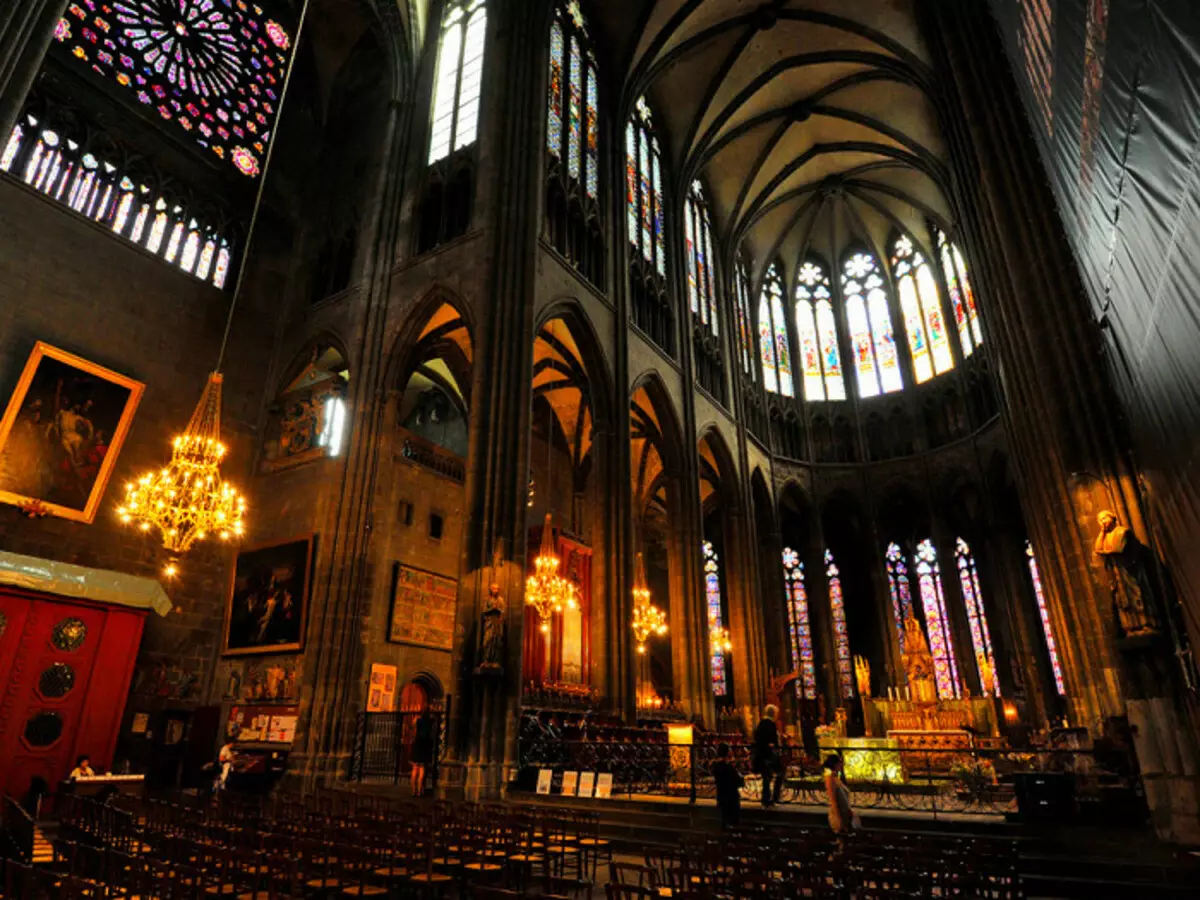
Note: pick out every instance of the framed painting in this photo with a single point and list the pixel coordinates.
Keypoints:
(268, 599)
(62, 433)
(424, 605)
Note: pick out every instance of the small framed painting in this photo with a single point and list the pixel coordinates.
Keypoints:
(268, 600)
(62, 432)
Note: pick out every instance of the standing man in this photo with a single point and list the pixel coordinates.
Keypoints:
(767, 760)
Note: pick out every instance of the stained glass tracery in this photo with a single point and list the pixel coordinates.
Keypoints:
(572, 107)
(937, 623)
(213, 68)
(841, 635)
(699, 245)
(981, 637)
(816, 330)
(774, 346)
(899, 588)
(745, 335)
(59, 167)
(962, 297)
(799, 627)
(1044, 614)
(459, 78)
(921, 306)
(716, 617)
(643, 197)
(870, 325)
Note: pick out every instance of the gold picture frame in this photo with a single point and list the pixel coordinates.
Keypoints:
(62, 432)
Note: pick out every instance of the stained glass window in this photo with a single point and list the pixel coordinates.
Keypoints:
(95, 188)
(841, 635)
(572, 126)
(937, 623)
(921, 305)
(745, 332)
(870, 326)
(817, 332)
(459, 78)
(773, 338)
(716, 617)
(1044, 613)
(213, 68)
(799, 628)
(644, 187)
(962, 297)
(899, 588)
(702, 292)
(981, 638)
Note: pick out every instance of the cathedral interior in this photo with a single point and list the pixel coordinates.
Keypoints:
(568, 373)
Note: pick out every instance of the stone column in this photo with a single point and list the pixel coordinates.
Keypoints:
(497, 492)
(26, 32)
(332, 692)
(1060, 410)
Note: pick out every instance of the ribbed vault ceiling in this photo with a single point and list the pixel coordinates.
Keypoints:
(809, 121)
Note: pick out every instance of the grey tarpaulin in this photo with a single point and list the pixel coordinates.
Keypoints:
(83, 583)
(1112, 92)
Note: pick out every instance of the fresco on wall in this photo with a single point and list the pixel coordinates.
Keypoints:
(269, 599)
(62, 433)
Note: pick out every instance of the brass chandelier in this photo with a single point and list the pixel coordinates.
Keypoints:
(546, 590)
(187, 500)
(648, 620)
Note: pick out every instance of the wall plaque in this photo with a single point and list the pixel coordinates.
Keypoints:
(423, 608)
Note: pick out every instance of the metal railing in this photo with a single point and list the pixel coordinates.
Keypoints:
(18, 829)
(383, 744)
(934, 780)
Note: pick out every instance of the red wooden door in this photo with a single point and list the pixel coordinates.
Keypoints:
(65, 669)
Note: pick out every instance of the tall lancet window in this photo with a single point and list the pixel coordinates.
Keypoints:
(716, 618)
(1044, 613)
(870, 325)
(572, 127)
(900, 589)
(921, 306)
(644, 199)
(741, 286)
(841, 635)
(816, 330)
(573, 219)
(981, 637)
(459, 78)
(962, 297)
(652, 310)
(937, 623)
(702, 292)
(773, 344)
(799, 628)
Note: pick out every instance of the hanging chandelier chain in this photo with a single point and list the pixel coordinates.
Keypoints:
(262, 184)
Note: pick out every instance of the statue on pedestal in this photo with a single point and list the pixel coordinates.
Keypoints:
(1126, 562)
(918, 662)
(491, 646)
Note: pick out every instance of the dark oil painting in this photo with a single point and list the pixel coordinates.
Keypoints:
(269, 599)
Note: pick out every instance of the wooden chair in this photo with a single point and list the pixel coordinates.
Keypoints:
(357, 873)
(479, 892)
(628, 892)
(633, 874)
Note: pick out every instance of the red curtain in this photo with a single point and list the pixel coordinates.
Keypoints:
(577, 568)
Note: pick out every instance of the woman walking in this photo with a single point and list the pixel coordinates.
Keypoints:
(842, 818)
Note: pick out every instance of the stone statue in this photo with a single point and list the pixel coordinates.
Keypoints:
(1126, 562)
(491, 650)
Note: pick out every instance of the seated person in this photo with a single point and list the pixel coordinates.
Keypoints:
(83, 769)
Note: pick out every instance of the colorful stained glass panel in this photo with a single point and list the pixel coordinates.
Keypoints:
(841, 635)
